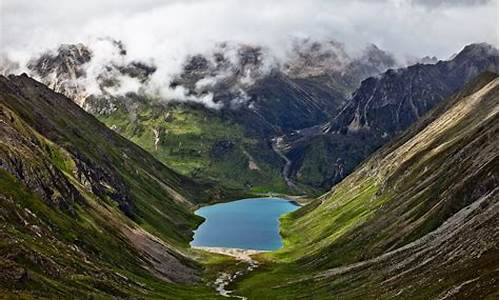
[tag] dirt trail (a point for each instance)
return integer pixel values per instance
(224, 279)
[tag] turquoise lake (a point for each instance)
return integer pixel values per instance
(247, 224)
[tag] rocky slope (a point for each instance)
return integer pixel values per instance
(381, 108)
(83, 211)
(418, 220)
(311, 82)
(268, 98)
(62, 70)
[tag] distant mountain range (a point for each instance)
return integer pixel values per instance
(237, 77)
(289, 119)
(382, 107)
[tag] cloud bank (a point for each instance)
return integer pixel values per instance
(166, 32)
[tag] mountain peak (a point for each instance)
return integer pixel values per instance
(477, 50)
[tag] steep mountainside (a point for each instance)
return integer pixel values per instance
(83, 211)
(418, 220)
(381, 108)
(256, 99)
(269, 99)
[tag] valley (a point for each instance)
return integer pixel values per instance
(129, 196)
(326, 121)
(231, 140)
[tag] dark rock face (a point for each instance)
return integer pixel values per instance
(381, 108)
(269, 99)
(137, 69)
(102, 183)
(220, 148)
(23, 157)
(390, 103)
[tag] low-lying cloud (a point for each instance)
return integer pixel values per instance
(165, 33)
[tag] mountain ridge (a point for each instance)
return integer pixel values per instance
(85, 212)
(417, 220)
(381, 108)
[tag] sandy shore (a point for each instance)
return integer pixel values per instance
(240, 254)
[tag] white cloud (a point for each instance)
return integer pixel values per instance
(169, 29)
(165, 32)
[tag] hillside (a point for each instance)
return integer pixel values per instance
(83, 211)
(417, 220)
(200, 143)
(381, 108)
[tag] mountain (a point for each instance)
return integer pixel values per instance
(70, 70)
(234, 75)
(382, 107)
(256, 98)
(329, 62)
(417, 220)
(83, 211)
(62, 70)
(267, 98)
(257, 124)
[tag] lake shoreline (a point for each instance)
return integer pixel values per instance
(238, 227)
(238, 253)
(299, 200)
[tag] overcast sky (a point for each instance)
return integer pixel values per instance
(166, 30)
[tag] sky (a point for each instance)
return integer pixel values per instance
(166, 31)
(174, 27)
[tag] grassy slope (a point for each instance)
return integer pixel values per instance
(406, 190)
(45, 253)
(187, 144)
(71, 238)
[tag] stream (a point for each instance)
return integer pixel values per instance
(225, 279)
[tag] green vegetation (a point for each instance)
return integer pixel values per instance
(353, 243)
(84, 213)
(44, 253)
(200, 143)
